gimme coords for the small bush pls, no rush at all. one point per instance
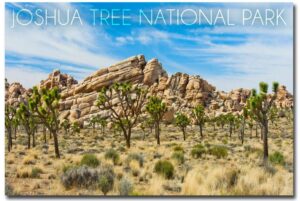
(178, 156)
(29, 160)
(225, 141)
(35, 172)
(164, 168)
(90, 160)
(197, 151)
(178, 148)
(67, 167)
(113, 155)
(218, 151)
(106, 179)
(82, 176)
(23, 173)
(137, 157)
(277, 158)
(125, 187)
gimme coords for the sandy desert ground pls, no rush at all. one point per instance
(239, 172)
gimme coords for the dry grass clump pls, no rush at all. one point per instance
(235, 181)
(29, 160)
(135, 168)
(112, 155)
(26, 172)
(178, 156)
(137, 157)
(198, 150)
(214, 181)
(218, 151)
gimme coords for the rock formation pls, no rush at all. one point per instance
(179, 91)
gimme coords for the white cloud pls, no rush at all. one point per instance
(26, 76)
(74, 44)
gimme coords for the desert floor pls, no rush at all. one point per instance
(240, 173)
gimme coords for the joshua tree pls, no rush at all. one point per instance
(243, 117)
(93, 122)
(230, 120)
(44, 103)
(103, 123)
(200, 117)
(147, 124)
(28, 121)
(124, 101)
(66, 126)
(260, 105)
(16, 123)
(221, 120)
(75, 127)
(156, 108)
(116, 128)
(10, 115)
(182, 121)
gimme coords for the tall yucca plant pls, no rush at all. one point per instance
(200, 117)
(156, 108)
(28, 121)
(44, 103)
(125, 102)
(10, 115)
(259, 104)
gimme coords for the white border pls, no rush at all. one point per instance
(2, 73)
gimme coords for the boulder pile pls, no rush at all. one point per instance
(179, 91)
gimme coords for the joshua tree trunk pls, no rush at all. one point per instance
(265, 138)
(251, 128)
(9, 140)
(157, 133)
(243, 131)
(55, 143)
(45, 135)
(33, 139)
(127, 135)
(261, 132)
(200, 128)
(15, 132)
(183, 132)
(28, 142)
(256, 131)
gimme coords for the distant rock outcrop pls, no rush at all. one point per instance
(179, 91)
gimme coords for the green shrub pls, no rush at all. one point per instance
(225, 141)
(164, 168)
(277, 158)
(113, 155)
(35, 172)
(81, 176)
(178, 148)
(125, 187)
(134, 156)
(178, 156)
(218, 151)
(197, 151)
(90, 160)
(106, 179)
(67, 167)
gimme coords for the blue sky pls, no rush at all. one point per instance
(229, 57)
